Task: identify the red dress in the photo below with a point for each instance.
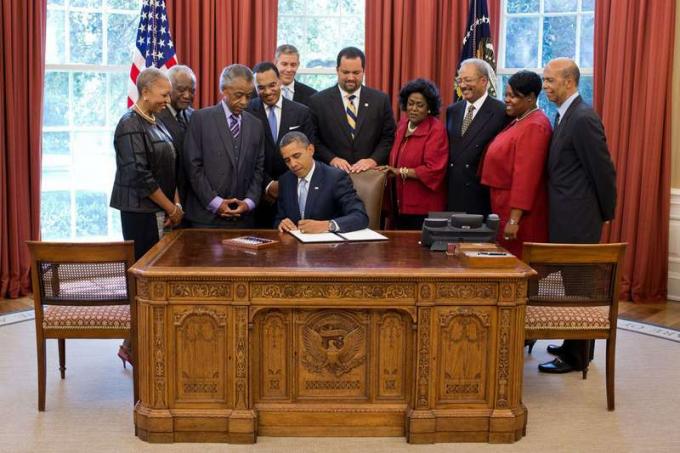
(514, 169)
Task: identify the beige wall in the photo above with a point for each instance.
(675, 118)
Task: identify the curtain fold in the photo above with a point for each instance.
(407, 39)
(632, 86)
(22, 71)
(211, 34)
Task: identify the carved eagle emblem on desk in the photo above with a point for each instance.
(333, 349)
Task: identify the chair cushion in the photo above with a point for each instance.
(86, 317)
(370, 186)
(566, 318)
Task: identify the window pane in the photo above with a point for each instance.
(54, 42)
(93, 160)
(351, 33)
(588, 5)
(86, 38)
(56, 99)
(291, 7)
(559, 37)
(522, 6)
(122, 32)
(89, 91)
(91, 214)
(555, 6)
(55, 2)
(323, 35)
(133, 5)
(587, 39)
(55, 215)
(355, 7)
(317, 81)
(118, 86)
(585, 87)
(290, 32)
(86, 3)
(116, 231)
(55, 143)
(521, 42)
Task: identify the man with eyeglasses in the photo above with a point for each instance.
(471, 123)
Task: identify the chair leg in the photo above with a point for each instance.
(41, 372)
(611, 366)
(586, 357)
(62, 357)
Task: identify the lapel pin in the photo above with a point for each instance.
(316, 188)
(366, 104)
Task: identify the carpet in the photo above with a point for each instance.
(91, 410)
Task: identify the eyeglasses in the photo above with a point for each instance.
(467, 80)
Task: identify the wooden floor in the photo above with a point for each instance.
(662, 314)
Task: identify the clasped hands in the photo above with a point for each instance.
(358, 167)
(305, 226)
(174, 217)
(232, 207)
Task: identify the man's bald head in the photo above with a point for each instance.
(561, 77)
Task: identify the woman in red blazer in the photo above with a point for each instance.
(514, 166)
(419, 156)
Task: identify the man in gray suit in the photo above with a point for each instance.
(581, 187)
(176, 117)
(224, 157)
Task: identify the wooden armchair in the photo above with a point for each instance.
(370, 187)
(575, 295)
(81, 290)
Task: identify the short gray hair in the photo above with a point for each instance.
(286, 49)
(482, 66)
(294, 137)
(180, 69)
(148, 77)
(233, 72)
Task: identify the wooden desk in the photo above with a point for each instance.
(349, 339)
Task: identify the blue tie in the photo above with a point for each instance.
(234, 127)
(272, 122)
(302, 197)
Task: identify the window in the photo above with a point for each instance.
(88, 56)
(535, 31)
(319, 29)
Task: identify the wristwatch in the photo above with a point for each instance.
(333, 227)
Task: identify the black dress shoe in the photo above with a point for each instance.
(555, 366)
(555, 349)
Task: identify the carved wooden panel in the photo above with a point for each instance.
(467, 292)
(200, 291)
(464, 336)
(503, 371)
(273, 354)
(200, 353)
(333, 349)
(159, 359)
(424, 348)
(393, 329)
(358, 291)
(241, 400)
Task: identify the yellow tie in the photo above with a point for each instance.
(351, 114)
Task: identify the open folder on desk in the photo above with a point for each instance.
(355, 236)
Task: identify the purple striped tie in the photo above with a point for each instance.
(233, 126)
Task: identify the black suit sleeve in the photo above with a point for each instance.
(322, 152)
(382, 149)
(254, 191)
(193, 163)
(591, 146)
(307, 127)
(353, 214)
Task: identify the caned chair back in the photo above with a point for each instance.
(370, 187)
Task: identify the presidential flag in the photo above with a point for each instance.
(477, 40)
(154, 46)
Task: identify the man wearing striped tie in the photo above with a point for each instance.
(224, 157)
(354, 124)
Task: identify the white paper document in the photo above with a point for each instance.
(355, 236)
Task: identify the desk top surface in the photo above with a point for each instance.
(201, 252)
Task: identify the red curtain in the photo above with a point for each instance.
(407, 39)
(211, 34)
(22, 70)
(633, 64)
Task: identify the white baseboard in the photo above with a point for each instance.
(674, 247)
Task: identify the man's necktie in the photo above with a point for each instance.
(302, 197)
(287, 93)
(467, 120)
(272, 122)
(351, 114)
(233, 126)
(557, 121)
(180, 119)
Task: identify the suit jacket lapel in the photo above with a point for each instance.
(285, 118)
(245, 131)
(338, 107)
(362, 111)
(222, 127)
(556, 141)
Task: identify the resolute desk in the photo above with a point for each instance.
(344, 339)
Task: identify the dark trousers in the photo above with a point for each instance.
(140, 227)
(577, 353)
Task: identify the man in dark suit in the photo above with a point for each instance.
(224, 157)
(278, 117)
(287, 61)
(177, 115)
(354, 124)
(581, 185)
(471, 123)
(314, 197)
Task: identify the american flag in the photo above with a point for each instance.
(154, 46)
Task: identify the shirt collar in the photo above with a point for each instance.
(228, 112)
(344, 93)
(290, 86)
(308, 177)
(171, 109)
(278, 104)
(562, 109)
(479, 102)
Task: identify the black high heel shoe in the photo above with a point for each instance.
(125, 355)
(530, 343)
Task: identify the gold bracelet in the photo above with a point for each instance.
(403, 171)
